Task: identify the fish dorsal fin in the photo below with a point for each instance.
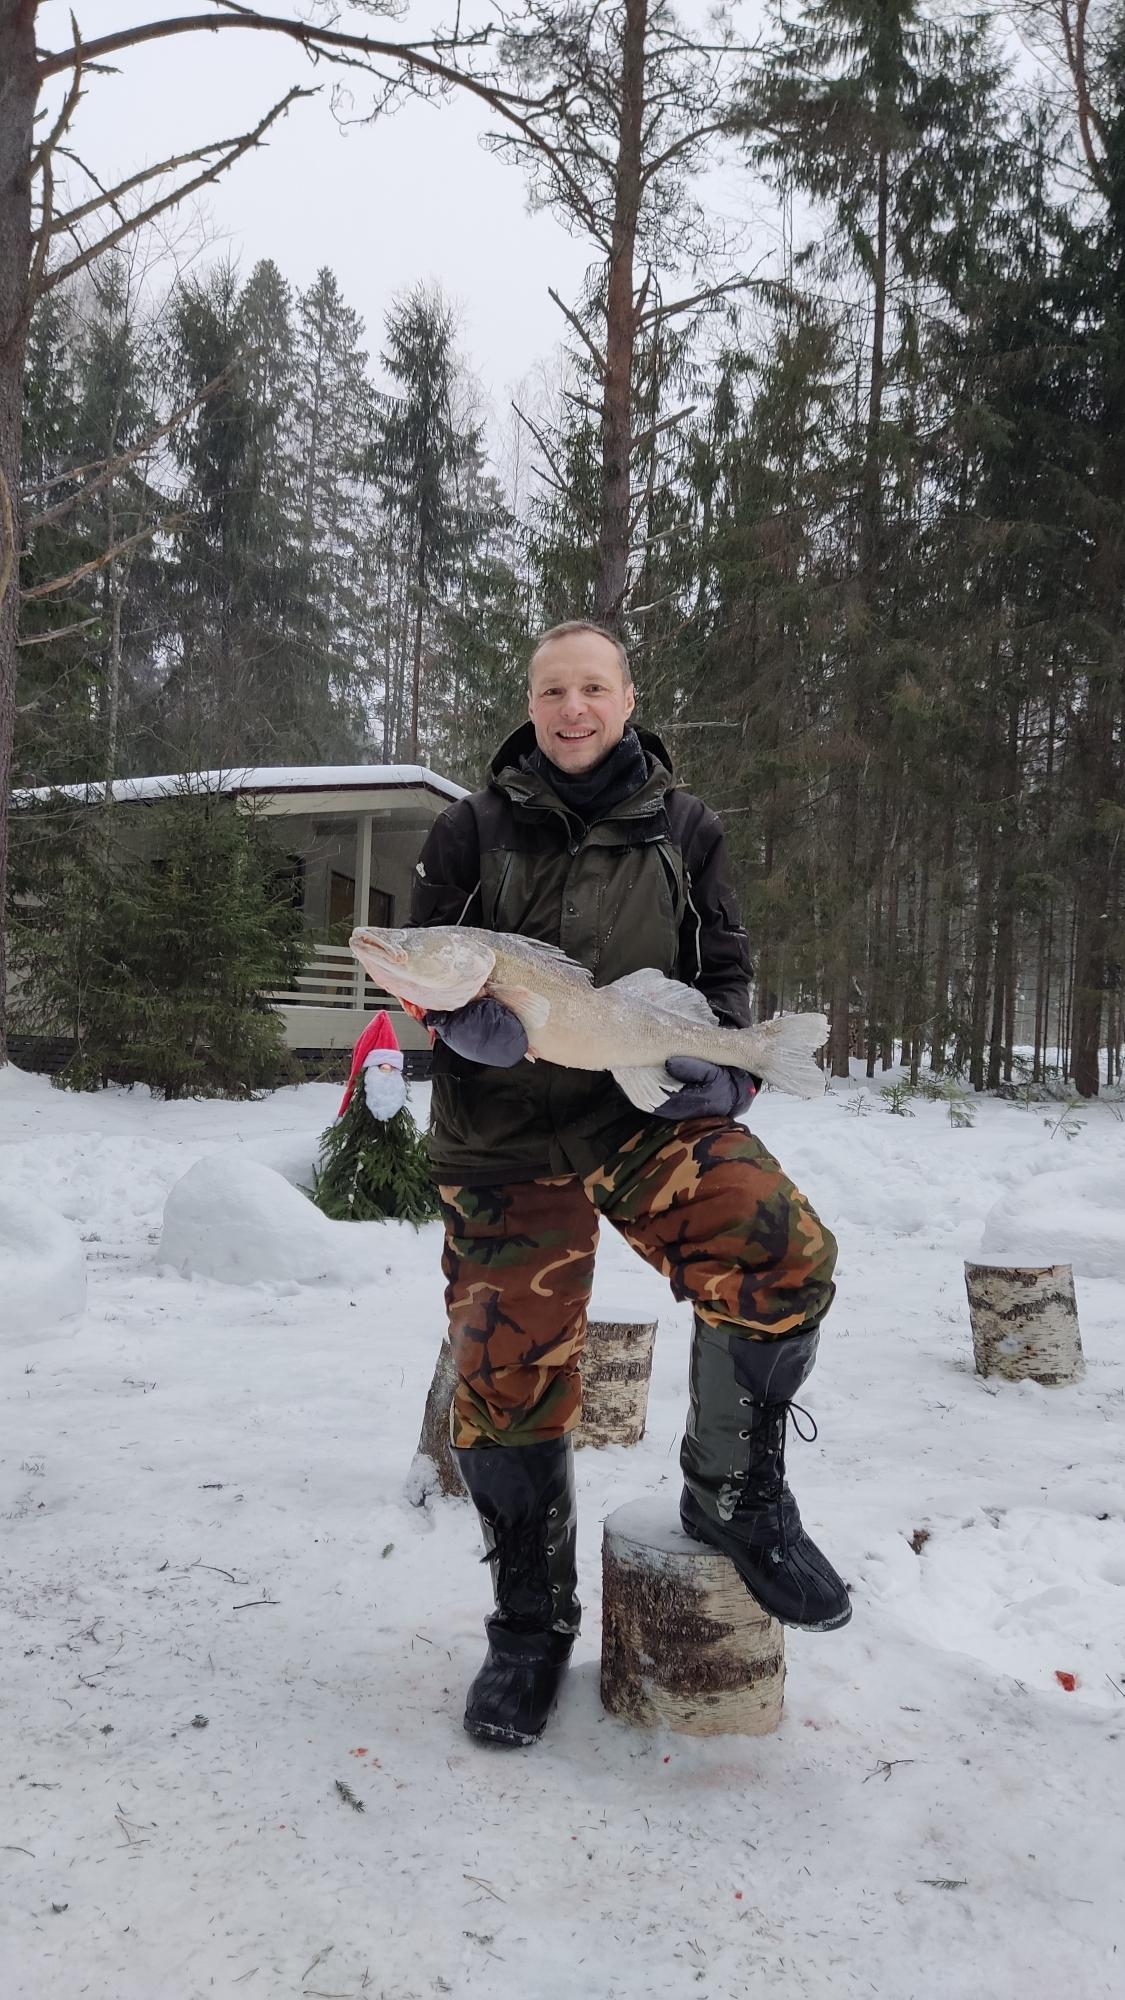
(553, 955)
(668, 996)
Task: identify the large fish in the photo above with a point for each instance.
(630, 1028)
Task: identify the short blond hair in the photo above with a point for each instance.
(564, 631)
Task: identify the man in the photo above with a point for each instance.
(583, 840)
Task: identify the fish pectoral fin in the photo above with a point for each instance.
(646, 1087)
(534, 1011)
(669, 996)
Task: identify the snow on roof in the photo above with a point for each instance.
(262, 778)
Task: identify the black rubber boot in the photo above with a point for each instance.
(524, 1495)
(733, 1459)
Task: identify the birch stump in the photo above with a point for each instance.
(434, 1469)
(616, 1366)
(1025, 1322)
(684, 1646)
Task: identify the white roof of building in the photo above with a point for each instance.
(261, 778)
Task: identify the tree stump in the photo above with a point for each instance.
(434, 1468)
(1025, 1322)
(616, 1366)
(684, 1646)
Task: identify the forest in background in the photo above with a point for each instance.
(859, 521)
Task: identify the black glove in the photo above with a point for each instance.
(485, 1031)
(711, 1090)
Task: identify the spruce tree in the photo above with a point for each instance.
(419, 456)
(253, 681)
(155, 952)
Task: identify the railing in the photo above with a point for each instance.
(332, 977)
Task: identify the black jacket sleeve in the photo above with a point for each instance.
(714, 949)
(447, 873)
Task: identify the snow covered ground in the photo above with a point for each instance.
(214, 1603)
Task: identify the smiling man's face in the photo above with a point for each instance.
(579, 700)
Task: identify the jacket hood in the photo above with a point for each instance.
(521, 743)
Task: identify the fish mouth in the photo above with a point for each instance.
(377, 947)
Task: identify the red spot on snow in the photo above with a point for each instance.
(1065, 1680)
(361, 1752)
(668, 1759)
(738, 1895)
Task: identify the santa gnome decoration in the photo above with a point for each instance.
(373, 1164)
(378, 1059)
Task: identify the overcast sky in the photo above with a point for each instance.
(414, 197)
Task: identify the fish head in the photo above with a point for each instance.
(437, 969)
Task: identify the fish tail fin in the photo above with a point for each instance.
(781, 1052)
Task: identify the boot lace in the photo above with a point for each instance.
(521, 1554)
(763, 1476)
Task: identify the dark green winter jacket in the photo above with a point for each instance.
(646, 886)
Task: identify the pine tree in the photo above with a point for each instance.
(372, 1170)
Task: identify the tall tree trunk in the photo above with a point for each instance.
(872, 467)
(612, 574)
(919, 940)
(982, 942)
(1004, 968)
(942, 954)
(1096, 782)
(416, 687)
(843, 920)
(19, 90)
(890, 973)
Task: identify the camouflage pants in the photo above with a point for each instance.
(703, 1203)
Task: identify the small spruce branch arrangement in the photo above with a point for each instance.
(372, 1170)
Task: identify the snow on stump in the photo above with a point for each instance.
(684, 1646)
(1025, 1322)
(42, 1269)
(434, 1469)
(616, 1366)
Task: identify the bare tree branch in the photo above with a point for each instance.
(557, 479)
(236, 149)
(596, 356)
(354, 51)
(656, 313)
(110, 197)
(70, 106)
(665, 424)
(60, 632)
(99, 562)
(683, 145)
(103, 470)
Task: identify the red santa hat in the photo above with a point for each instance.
(376, 1044)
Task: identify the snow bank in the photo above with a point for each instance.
(1075, 1216)
(233, 1219)
(293, 1155)
(42, 1269)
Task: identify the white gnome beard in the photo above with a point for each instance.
(385, 1091)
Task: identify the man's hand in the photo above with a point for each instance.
(484, 1032)
(711, 1090)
